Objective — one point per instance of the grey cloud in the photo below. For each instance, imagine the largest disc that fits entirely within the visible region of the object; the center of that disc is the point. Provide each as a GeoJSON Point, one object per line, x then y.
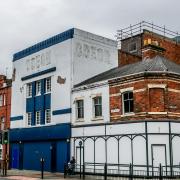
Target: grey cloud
{"type": "Point", "coordinates": [25, 22]}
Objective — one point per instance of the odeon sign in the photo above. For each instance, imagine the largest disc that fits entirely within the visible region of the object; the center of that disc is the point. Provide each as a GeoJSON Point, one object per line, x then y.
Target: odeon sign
{"type": "Point", "coordinates": [39, 61]}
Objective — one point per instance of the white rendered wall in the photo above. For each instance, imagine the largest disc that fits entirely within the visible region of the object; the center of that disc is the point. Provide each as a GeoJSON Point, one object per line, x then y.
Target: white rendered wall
{"type": "Point", "coordinates": [158, 137]}
{"type": "Point", "coordinates": [87, 96]}
{"type": "Point", "coordinates": [59, 57]}
{"type": "Point", "coordinates": [69, 64]}
{"type": "Point", "coordinates": [92, 55]}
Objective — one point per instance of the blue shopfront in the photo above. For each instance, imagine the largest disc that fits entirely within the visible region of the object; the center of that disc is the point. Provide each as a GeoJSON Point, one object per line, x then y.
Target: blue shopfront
{"type": "Point", "coordinates": [29, 145]}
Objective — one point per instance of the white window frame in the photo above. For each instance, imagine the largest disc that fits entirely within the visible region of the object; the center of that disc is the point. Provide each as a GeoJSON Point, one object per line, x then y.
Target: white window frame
{"type": "Point", "coordinates": [38, 117]}
{"type": "Point", "coordinates": [29, 90]}
{"type": "Point", "coordinates": [48, 116]}
{"type": "Point", "coordinates": [38, 88]}
{"type": "Point", "coordinates": [48, 85]}
{"type": "Point", "coordinates": [79, 107]}
{"type": "Point", "coordinates": [123, 101]}
{"type": "Point", "coordinates": [1, 99]}
{"type": "Point", "coordinates": [94, 108]}
{"type": "Point", "coordinates": [29, 118]}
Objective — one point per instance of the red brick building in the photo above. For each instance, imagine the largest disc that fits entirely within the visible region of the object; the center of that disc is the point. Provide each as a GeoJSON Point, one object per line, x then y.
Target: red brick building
{"type": "Point", "coordinates": [134, 38]}
{"type": "Point", "coordinates": [148, 89]}
{"type": "Point", "coordinates": [149, 69]}
{"type": "Point", "coordinates": [5, 109]}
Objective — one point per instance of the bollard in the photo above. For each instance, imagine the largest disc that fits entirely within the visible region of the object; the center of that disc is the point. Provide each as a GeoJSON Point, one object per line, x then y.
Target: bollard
{"type": "Point", "coordinates": [42, 167]}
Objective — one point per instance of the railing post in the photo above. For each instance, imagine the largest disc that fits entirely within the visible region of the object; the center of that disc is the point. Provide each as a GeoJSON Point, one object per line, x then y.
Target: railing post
{"type": "Point", "coordinates": [83, 171]}
{"type": "Point", "coordinates": [105, 171]}
{"type": "Point", "coordinates": [130, 172]}
{"type": "Point", "coordinates": [160, 172]}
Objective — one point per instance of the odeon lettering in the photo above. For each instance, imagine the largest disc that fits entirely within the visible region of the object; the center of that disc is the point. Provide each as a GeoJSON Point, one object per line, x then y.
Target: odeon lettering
{"type": "Point", "coordinates": [39, 61]}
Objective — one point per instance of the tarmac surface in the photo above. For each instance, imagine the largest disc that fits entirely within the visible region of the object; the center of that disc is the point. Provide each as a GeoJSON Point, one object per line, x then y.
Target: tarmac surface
{"type": "Point", "coordinates": [33, 175]}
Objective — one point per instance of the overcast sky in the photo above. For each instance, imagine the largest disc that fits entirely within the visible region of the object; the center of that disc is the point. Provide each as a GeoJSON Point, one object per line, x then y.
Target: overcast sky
{"type": "Point", "coordinates": [26, 22]}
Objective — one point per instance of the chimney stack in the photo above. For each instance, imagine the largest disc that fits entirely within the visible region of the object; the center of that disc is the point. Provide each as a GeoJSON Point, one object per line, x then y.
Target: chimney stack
{"type": "Point", "coordinates": [151, 49]}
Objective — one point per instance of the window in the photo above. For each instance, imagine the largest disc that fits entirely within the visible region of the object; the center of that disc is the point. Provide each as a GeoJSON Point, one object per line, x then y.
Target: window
{"type": "Point", "coordinates": [128, 103]}
{"type": "Point", "coordinates": [38, 88]}
{"type": "Point", "coordinates": [80, 109]}
{"type": "Point", "coordinates": [97, 106]}
{"type": "Point", "coordinates": [48, 85]}
{"type": "Point", "coordinates": [1, 152]}
{"type": "Point", "coordinates": [1, 100]}
{"type": "Point", "coordinates": [38, 117]}
{"type": "Point", "coordinates": [132, 47]}
{"type": "Point", "coordinates": [29, 90]}
{"type": "Point", "coordinates": [29, 118]}
{"type": "Point", "coordinates": [48, 115]}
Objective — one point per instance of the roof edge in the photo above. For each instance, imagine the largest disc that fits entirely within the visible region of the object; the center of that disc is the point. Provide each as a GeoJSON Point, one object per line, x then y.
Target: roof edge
{"type": "Point", "coordinates": [44, 44]}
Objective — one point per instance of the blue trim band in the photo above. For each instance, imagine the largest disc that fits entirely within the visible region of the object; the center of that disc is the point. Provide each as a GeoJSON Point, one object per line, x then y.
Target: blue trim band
{"type": "Point", "coordinates": [62, 111]}
{"type": "Point", "coordinates": [53, 132]}
{"type": "Point", "coordinates": [44, 44]}
{"type": "Point", "coordinates": [38, 73]}
{"type": "Point", "coordinates": [16, 118]}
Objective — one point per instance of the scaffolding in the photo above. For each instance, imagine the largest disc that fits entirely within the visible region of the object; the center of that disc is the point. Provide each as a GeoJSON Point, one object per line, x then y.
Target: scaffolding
{"type": "Point", "coordinates": [138, 28]}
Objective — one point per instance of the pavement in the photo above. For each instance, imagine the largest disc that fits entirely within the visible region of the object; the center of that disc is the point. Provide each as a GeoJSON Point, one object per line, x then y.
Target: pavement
{"type": "Point", "coordinates": [33, 175]}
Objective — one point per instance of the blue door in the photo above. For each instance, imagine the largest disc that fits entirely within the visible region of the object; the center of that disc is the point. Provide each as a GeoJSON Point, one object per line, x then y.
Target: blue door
{"type": "Point", "coordinates": [63, 149]}
{"type": "Point", "coordinates": [15, 158]}
{"type": "Point", "coordinates": [33, 152]}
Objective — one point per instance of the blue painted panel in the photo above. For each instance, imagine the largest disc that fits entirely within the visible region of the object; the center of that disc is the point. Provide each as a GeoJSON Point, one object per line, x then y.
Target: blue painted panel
{"type": "Point", "coordinates": [42, 86]}
{"type": "Point", "coordinates": [44, 44]}
{"type": "Point", "coordinates": [58, 131]}
{"type": "Point", "coordinates": [33, 122]}
{"type": "Point", "coordinates": [38, 74]}
{"type": "Point", "coordinates": [33, 89]}
{"type": "Point", "coordinates": [39, 103]}
{"type": "Point", "coordinates": [62, 111]}
{"type": "Point", "coordinates": [47, 101]}
{"type": "Point", "coordinates": [29, 104]}
{"type": "Point", "coordinates": [14, 156]}
{"type": "Point", "coordinates": [16, 118]}
{"type": "Point", "coordinates": [62, 155]}
{"type": "Point", "coordinates": [33, 152]}
{"type": "Point", "coordinates": [43, 101]}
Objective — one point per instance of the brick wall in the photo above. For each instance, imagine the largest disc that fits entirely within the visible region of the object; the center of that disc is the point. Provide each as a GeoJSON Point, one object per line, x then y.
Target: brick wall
{"type": "Point", "coordinates": [153, 99]}
{"type": "Point", "coordinates": [127, 58]}
{"type": "Point", "coordinates": [172, 49]}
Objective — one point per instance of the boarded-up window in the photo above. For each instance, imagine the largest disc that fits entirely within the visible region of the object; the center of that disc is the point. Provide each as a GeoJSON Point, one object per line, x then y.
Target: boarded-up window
{"type": "Point", "coordinates": [156, 99]}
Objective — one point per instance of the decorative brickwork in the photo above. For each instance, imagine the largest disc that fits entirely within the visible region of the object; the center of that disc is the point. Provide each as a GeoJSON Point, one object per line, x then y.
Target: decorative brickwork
{"type": "Point", "coordinates": [154, 98]}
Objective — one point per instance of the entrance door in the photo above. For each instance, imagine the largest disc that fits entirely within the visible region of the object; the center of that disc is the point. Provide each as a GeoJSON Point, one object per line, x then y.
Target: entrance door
{"type": "Point", "coordinates": [53, 157]}
{"type": "Point", "coordinates": [158, 156]}
{"type": "Point", "coordinates": [15, 158]}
